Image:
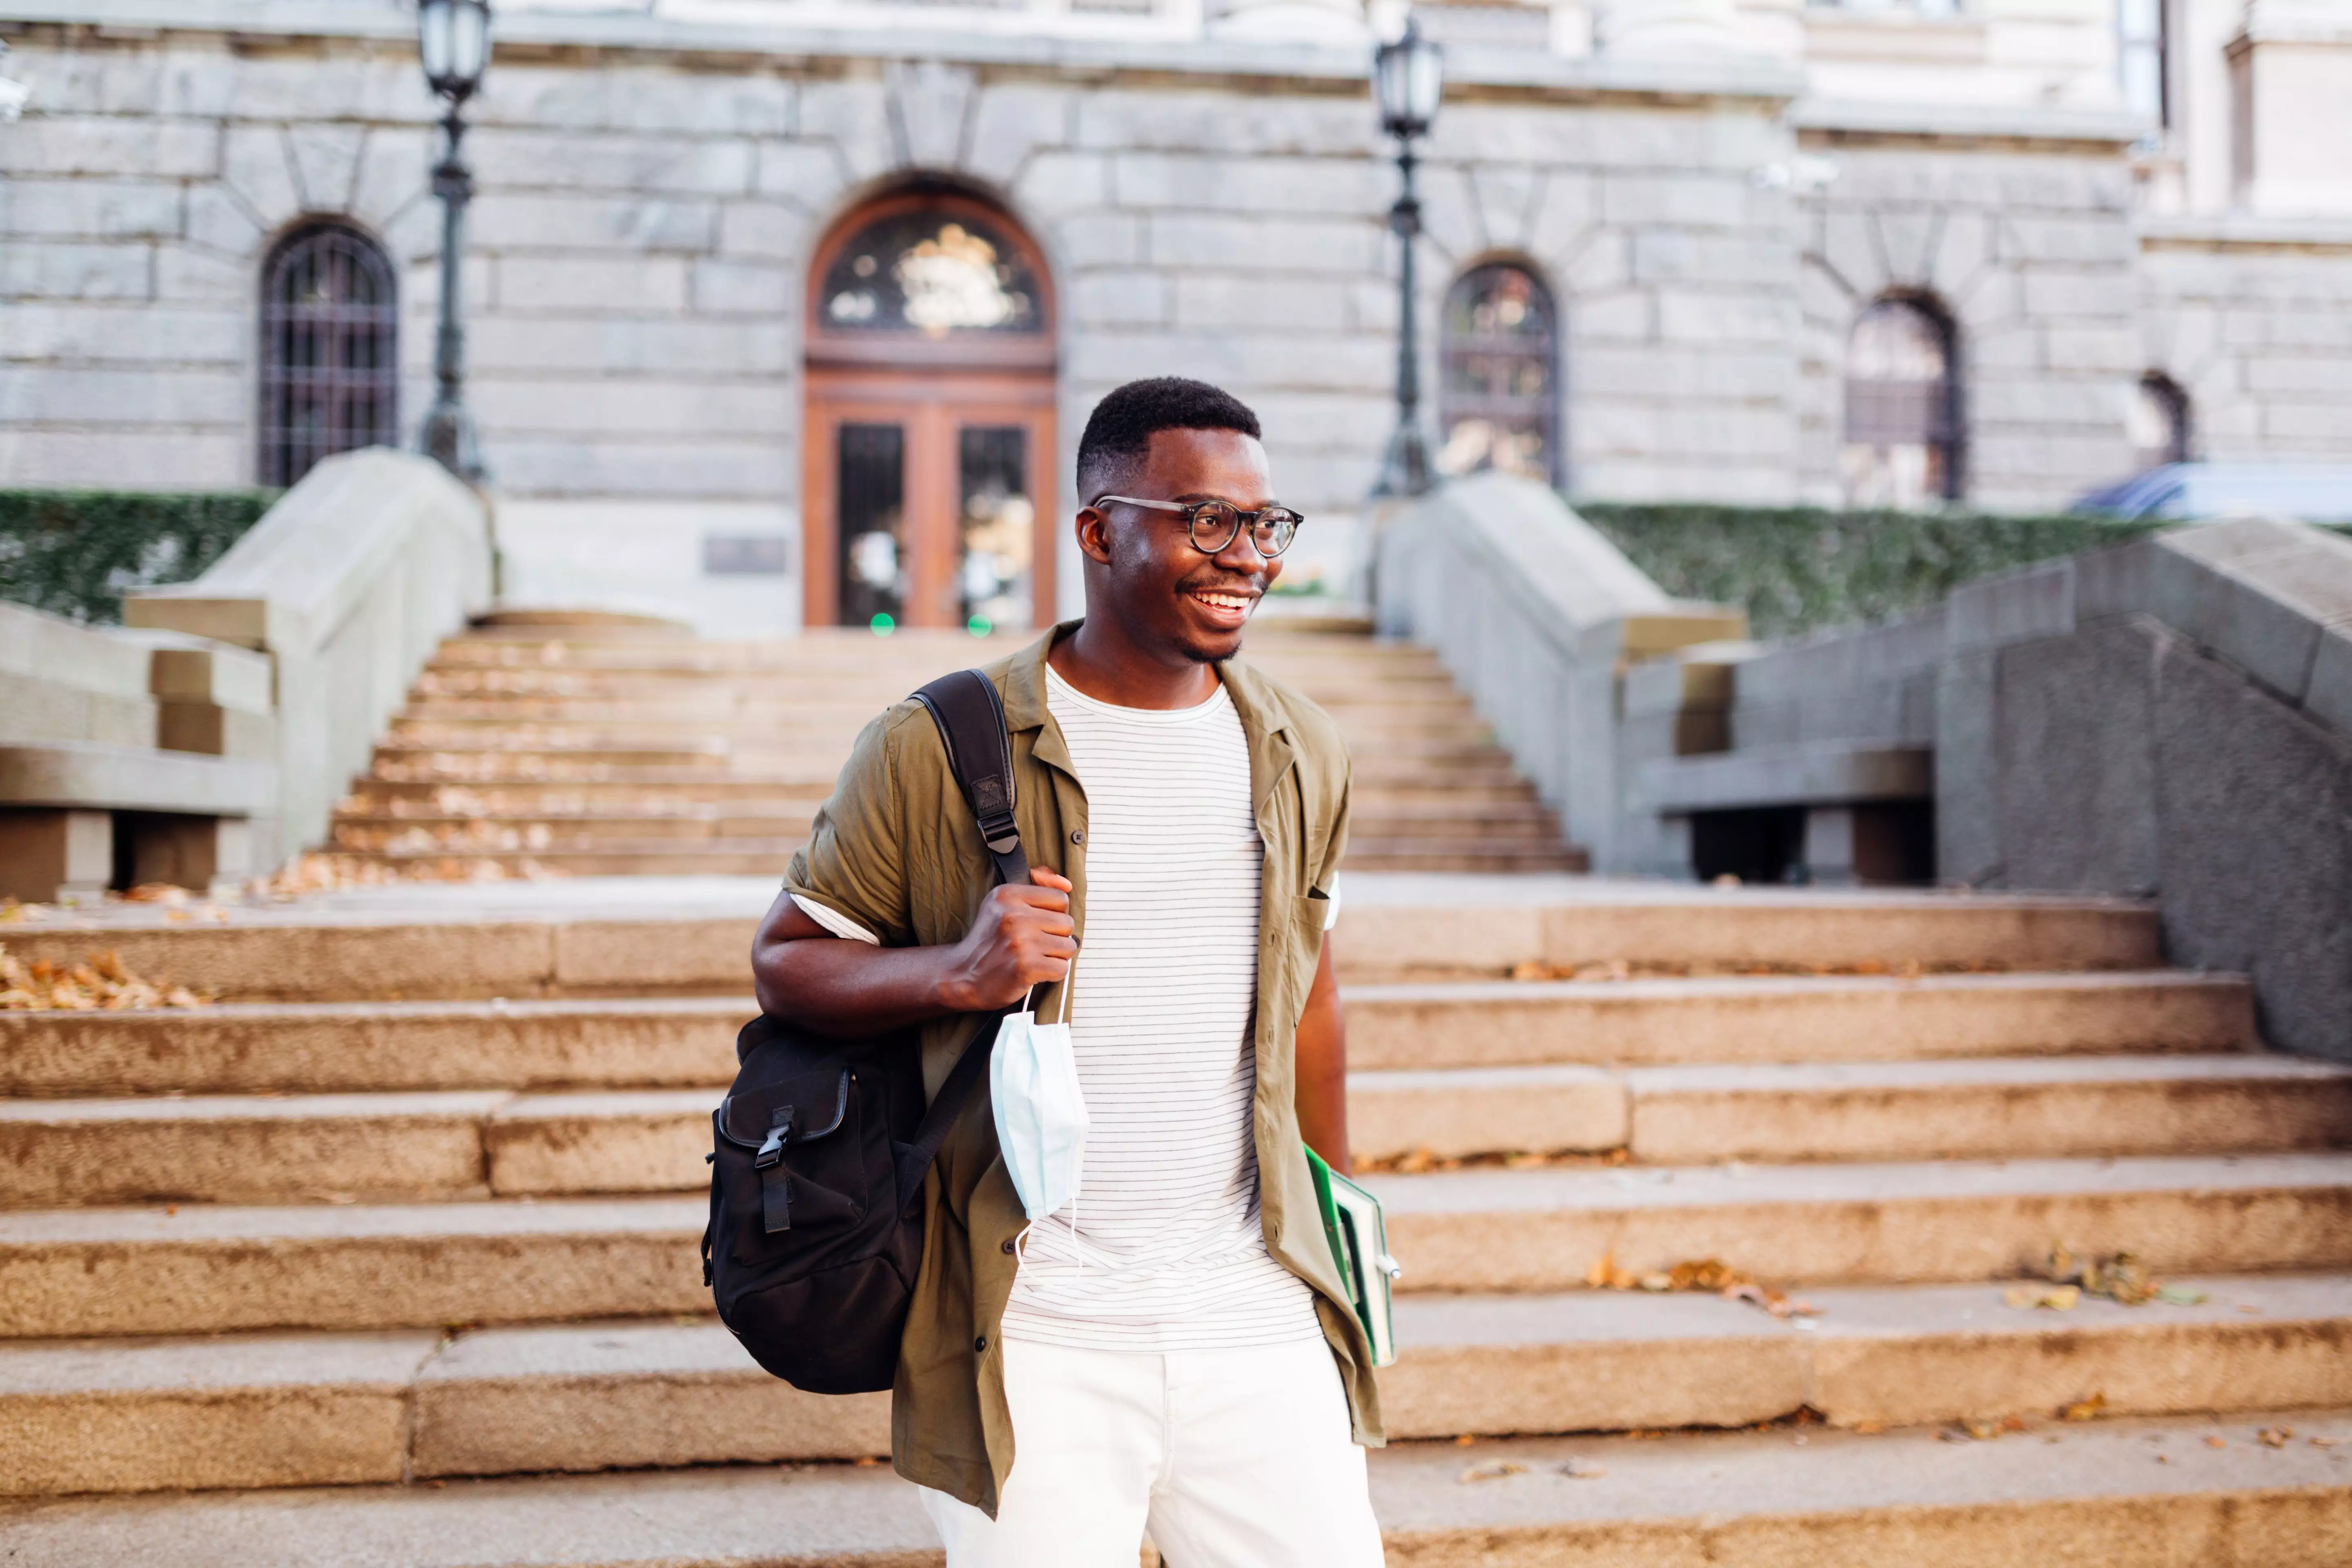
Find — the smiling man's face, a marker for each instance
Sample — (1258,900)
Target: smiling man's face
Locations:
(1141,568)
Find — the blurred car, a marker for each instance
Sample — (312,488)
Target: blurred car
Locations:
(2310,492)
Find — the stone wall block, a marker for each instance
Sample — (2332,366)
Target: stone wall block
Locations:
(930,103)
(1850,252)
(292,88)
(218,221)
(1118,118)
(1226,301)
(2093,350)
(775,231)
(109,148)
(660,165)
(1687,316)
(648,98)
(1506,196)
(184,272)
(1057,182)
(1287,186)
(1565,211)
(326,160)
(1602,263)
(31,271)
(90,209)
(590,221)
(2089,295)
(1010,121)
(395,168)
(625,346)
(1963,248)
(742,287)
(2016,606)
(1908,242)
(1137,298)
(2255,834)
(622,285)
(1968,771)
(101,334)
(855,117)
(1686,200)
(1084,240)
(2074,738)
(811,173)
(258,167)
(1449,214)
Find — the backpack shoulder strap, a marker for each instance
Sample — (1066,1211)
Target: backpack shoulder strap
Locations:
(970,717)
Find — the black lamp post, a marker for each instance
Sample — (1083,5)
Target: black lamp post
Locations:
(453,40)
(1408,79)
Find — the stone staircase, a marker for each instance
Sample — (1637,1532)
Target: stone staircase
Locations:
(390,1256)
(608,747)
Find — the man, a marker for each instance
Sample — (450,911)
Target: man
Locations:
(1171,1350)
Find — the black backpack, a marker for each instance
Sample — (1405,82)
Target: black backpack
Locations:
(819,1149)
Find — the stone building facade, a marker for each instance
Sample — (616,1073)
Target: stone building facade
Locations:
(1711,198)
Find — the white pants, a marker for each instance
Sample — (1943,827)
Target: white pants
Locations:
(1233,1458)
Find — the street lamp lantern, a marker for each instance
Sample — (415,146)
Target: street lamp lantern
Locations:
(452,42)
(1409,75)
(1408,81)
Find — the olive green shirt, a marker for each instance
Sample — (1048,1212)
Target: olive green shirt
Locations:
(896,850)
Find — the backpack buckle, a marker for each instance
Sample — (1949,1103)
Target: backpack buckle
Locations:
(780,1127)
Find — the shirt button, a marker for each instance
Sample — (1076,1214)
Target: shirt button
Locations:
(1077,835)
(981,1344)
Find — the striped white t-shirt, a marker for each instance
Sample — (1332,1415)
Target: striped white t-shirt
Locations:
(1162,1250)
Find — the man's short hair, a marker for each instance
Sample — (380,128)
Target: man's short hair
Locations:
(1119,432)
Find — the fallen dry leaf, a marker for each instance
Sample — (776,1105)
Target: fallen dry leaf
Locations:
(2057,1298)
(1584,1470)
(1493,1470)
(2121,1278)
(2324,1442)
(2216,1443)
(2274,1436)
(2085,1409)
(1709,1274)
(101,984)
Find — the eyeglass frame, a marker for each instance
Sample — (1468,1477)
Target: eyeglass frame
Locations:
(1191,513)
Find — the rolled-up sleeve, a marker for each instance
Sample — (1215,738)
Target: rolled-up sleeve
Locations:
(854,863)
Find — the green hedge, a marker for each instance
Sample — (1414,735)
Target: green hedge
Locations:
(75,553)
(1801,569)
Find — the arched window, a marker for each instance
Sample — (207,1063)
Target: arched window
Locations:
(2158,423)
(330,350)
(1499,396)
(1902,407)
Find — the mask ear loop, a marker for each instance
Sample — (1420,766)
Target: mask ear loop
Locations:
(1062,1006)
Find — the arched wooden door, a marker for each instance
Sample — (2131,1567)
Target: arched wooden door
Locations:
(927,455)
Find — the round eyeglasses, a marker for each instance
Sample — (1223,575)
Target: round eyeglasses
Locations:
(1214,525)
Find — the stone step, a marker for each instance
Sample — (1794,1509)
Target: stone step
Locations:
(246,1149)
(207,1268)
(470,1143)
(679,789)
(1535,1230)
(1431,853)
(611,936)
(489,759)
(296,1410)
(2206,1492)
(620,858)
(591,1042)
(1963,1109)
(1855,1017)
(420,832)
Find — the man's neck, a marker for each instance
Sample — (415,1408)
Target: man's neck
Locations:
(1109,666)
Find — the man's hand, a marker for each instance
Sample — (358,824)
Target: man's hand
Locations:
(832,986)
(1022,937)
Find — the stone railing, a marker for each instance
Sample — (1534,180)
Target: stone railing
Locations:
(348,584)
(1538,616)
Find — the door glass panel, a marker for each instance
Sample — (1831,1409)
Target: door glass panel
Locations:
(998,523)
(873,490)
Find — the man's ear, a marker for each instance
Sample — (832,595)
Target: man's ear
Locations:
(1094,535)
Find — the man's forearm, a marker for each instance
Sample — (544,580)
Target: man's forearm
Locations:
(1321,1065)
(834,985)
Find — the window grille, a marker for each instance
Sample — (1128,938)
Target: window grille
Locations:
(330,350)
(1902,407)
(1498,397)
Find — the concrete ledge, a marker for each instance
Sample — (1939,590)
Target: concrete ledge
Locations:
(75,776)
(1811,774)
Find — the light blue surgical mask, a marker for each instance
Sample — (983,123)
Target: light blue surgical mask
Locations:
(1041,1112)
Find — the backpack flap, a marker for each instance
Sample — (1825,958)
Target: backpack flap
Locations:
(798,1110)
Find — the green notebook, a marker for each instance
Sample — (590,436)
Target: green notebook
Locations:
(1360,1245)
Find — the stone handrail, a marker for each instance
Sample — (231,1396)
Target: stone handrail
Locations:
(347,584)
(1536,615)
